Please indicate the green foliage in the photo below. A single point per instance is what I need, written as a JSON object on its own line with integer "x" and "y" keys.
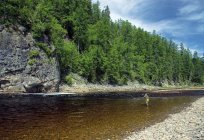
{"x": 32, "y": 61}
{"x": 45, "y": 48}
{"x": 88, "y": 43}
{"x": 33, "y": 53}
{"x": 69, "y": 80}
{"x": 69, "y": 57}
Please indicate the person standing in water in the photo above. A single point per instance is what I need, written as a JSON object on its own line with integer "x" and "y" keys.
{"x": 146, "y": 99}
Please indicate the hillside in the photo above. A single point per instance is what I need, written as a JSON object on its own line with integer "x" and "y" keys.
{"x": 87, "y": 42}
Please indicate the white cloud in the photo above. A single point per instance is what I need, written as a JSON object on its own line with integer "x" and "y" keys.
{"x": 192, "y": 10}
{"x": 196, "y": 16}
{"x": 136, "y": 22}
{"x": 189, "y": 9}
{"x": 196, "y": 49}
{"x": 177, "y": 28}
{"x": 192, "y": 49}
{"x": 122, "y": 7}
{"x": 190, "y": 6}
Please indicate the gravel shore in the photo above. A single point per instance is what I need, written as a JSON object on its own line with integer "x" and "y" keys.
{"x": 133, "y": 87}
{"x": 186, "y": 125}
{"x": 85, "y": 88}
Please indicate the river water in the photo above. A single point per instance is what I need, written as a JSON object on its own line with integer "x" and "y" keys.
{"x": 62, "y": 117}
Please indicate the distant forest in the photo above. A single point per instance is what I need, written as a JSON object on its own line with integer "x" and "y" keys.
{"x": 89, "y": 43}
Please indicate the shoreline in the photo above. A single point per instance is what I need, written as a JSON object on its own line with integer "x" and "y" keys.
{"x": 93, "y": 88}
{"x": 89, "y": 88}
{"x": 122, "y": 91}
{"x": 187, "y": 124}
{"x": 107, "y": 88}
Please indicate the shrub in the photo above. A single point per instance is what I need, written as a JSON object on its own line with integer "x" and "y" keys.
{"x": 33, "y": 53}
{"x": 31, "y": 62}
{"x": 69, "y": 80}
{"x": 45, "y": 48}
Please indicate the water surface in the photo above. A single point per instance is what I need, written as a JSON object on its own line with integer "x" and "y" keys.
{"x": 61, "y": 117}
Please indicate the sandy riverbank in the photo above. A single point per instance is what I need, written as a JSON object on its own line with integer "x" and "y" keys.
{"x": 186, "y": 125}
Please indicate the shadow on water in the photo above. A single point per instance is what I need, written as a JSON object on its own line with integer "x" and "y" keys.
{"x": 61, "y": 117}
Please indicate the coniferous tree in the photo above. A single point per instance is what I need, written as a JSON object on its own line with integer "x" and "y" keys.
{"x": 89, "y": 43}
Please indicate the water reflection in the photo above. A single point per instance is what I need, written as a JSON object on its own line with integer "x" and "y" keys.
{"x": 63, "y": 118}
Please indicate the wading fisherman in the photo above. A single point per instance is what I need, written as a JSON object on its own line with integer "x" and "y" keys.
{"x": 146, "y": 99}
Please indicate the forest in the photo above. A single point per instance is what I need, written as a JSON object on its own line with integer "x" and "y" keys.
{"x": 87, "y": 42}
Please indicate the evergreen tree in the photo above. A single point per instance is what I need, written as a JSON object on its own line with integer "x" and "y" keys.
{"x": 87, "y": 42}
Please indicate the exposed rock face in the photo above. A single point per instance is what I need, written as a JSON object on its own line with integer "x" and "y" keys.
{"x": 24, "y": 67}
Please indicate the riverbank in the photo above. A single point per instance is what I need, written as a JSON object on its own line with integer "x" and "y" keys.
{"x": 94, "y": 88}
{"x": 133, "y": 90}
{"x": 186, "y": 125}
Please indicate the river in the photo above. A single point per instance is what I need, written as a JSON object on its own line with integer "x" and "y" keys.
{"x": 81, "y": 118}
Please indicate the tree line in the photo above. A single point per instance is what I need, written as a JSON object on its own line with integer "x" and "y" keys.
{"x": 89, "y": 43}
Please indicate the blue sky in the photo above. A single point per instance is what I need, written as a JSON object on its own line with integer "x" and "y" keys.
{"x": 179, "y": 20}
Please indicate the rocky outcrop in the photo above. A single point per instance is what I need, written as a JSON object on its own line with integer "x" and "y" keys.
{"x": 24, "y": 67}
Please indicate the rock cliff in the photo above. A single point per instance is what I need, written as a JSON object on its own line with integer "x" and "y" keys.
{"x": 24, "y": 67}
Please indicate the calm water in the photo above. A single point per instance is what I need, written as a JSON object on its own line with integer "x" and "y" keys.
{"x": 58, "y": 118}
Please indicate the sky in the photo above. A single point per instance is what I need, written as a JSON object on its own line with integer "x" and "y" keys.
{"x": 179, "y": 20}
